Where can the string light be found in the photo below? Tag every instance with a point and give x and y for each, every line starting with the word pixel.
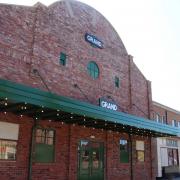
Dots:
pixel 136 131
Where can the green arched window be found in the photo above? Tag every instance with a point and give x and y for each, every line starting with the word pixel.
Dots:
pixel 93 69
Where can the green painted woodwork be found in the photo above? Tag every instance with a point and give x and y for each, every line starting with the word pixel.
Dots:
pixel 124 151
pixel 44 153
pixel 124 156
pixel 44 145
pixel 93 69
pixel 116 81
pixel 62 59
pixel 91 161
pixel 20 93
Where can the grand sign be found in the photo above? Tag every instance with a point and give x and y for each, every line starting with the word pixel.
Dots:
pixel 108 104
pixel 93 40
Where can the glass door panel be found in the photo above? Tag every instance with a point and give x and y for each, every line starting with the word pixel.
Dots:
pixel 90 161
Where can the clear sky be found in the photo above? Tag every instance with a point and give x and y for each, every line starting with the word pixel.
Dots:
pixel 150 30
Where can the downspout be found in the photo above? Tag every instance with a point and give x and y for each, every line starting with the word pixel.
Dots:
pixel 31 150
pixel 151 156
pixel 149 99
pixel 131 157
pixel 106 155
pixel 69 149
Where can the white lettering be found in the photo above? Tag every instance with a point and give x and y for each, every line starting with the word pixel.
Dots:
pixel 94 41
pixel 109 105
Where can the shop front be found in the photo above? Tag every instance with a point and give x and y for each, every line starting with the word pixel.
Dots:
pixel 88 133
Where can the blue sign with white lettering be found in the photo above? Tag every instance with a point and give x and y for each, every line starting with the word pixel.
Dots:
pixel 105 103
pixel 93 40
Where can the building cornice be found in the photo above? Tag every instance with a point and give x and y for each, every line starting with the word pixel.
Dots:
pixel 166 107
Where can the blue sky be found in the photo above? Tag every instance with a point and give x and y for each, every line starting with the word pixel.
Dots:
pixel 150 30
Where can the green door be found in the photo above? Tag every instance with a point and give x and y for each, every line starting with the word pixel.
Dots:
pixel 90 166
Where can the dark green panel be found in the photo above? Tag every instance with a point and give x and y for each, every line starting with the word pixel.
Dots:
pixel 124 156
pixel 44 153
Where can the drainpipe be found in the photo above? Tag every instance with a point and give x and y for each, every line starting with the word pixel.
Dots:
pixel 31 150
pixel 131 156
pixel 106 166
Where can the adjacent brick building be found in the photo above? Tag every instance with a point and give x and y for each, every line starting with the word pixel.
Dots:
pixel 168 149
pixel 56 63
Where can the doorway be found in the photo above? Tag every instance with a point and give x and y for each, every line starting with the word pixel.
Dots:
pixel 90 160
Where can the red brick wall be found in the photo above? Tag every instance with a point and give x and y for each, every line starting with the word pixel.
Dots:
pixel 66 150
pixel 166 111
pixel 33 37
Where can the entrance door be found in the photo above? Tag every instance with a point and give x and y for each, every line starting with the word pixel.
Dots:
pixel 90 166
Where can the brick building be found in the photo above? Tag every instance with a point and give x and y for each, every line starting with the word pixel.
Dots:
pixel 73 104
pixel 168 148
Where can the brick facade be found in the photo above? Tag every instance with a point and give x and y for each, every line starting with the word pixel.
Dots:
pixel 164 114
pixel 32 38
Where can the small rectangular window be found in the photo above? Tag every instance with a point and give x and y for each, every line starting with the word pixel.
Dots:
pixel 116 82
pixel 7 150
pixel 140 151
pixel 124 151
pixel 173 157
pixel 62 59
pixel 44 145
pixel 174 123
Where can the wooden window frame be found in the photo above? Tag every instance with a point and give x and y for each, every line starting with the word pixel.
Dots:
pixel 120 150
pixel 9 140
pixel 45 143
pixel 93 70
pixel 116 82
pixel 62 59
pixel 140 149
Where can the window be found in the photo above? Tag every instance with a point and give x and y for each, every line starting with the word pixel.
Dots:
pixel 158 118
pixel 116 81
pixel 171 142
pixel 179 124
pixel 172 157
pixel 8 150
pixel 44 145
pixel 164 121
pixel 124 151
pixel 93 69
pixel 140 151
pixel 62 59
pixel 174 123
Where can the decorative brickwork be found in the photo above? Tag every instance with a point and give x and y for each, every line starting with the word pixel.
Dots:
pixel 31 40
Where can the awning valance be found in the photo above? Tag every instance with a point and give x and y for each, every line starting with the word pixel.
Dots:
pixel 39 104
